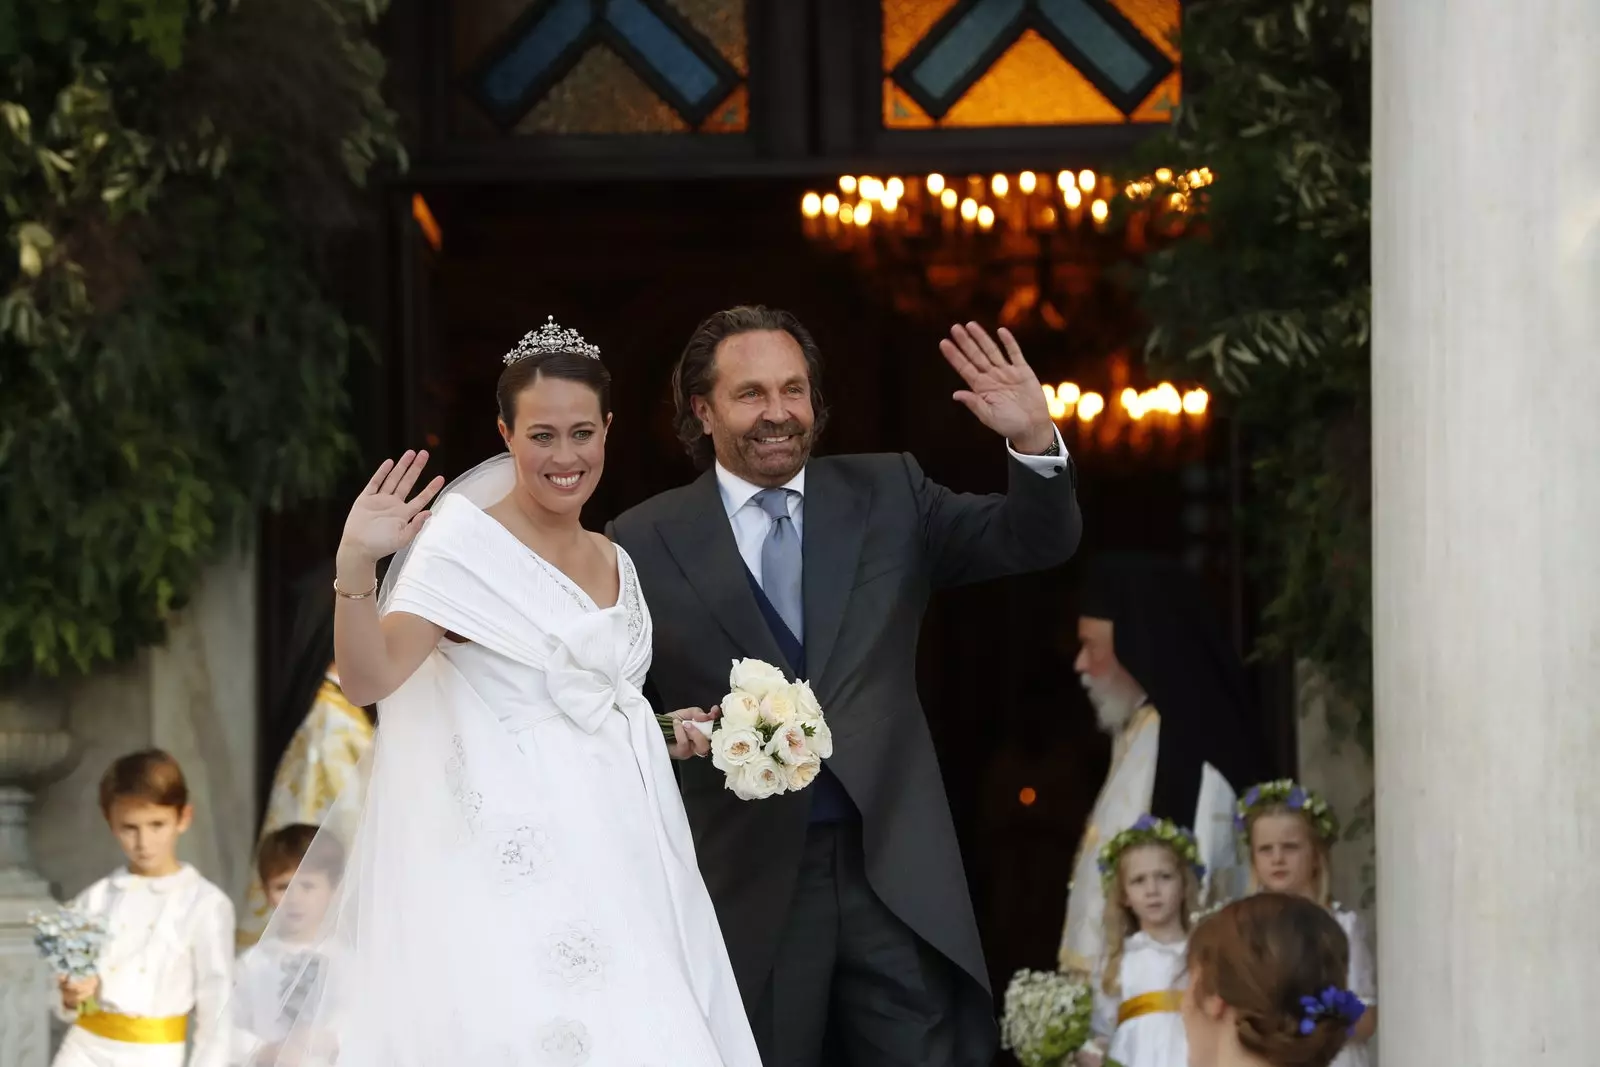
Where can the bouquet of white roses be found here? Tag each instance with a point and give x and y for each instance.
(771, 737)
(70, 942)
(1046, 1017)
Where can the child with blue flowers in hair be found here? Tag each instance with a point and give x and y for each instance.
(1151, 873)
(1289, 832)
(1265, 986)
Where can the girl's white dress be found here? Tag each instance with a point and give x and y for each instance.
(1363, 981)
(1152, 980)
(522, 889)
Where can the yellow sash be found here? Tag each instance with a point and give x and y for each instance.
(1149, 1004)
(135, 1029)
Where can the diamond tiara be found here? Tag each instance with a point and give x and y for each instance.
(551, 337)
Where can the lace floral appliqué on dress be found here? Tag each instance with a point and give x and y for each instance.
(564, 1043)
(577, 957)
(468, 802)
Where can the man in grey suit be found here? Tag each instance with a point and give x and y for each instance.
(844, 906)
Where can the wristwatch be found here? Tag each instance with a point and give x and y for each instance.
(1053, 451)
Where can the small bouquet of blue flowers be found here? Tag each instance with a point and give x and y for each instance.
(70, 942)
(1046, 1017)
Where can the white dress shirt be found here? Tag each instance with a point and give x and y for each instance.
(751, 524)
(169, 951)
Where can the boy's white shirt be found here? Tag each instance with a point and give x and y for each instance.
(169, 950)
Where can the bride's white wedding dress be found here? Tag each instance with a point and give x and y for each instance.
(522, 888)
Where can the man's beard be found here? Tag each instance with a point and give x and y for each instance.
(1114, 705)
(771, 467)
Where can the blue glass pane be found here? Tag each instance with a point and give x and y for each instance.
(963, 45)
(1098, 39)
(508, 80)
(660, 44)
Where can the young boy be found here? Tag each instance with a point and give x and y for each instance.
(169, 949)
(281, 978)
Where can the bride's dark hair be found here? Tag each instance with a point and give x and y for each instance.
(567, 366)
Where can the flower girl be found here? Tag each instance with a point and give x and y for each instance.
(1289, 833)
(1152, 876)
(1263, 986)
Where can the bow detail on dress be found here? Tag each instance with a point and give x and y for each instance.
(583, 670)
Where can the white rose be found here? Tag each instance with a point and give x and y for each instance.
(740, 709)
(756, 677)
(757, 780)
(735, 746)
(790, 744)
(803, 772)
(778, 707)
(821, 738)
(806, 701)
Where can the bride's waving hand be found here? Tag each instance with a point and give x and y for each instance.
(382, 521)
(376, 655)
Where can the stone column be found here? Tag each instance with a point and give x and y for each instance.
(33, 746)
(1486, 529)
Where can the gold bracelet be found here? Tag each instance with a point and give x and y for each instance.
(354, 596)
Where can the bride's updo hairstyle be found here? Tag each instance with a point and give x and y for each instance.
(551, 352)
(1264, 956)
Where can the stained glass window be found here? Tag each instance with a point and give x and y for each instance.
(1028, 62)
(616, 66)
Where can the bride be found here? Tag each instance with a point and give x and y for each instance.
(521, 888)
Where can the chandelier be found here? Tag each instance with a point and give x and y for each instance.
(1028, 202)
(1159, 418)
(1026, 243)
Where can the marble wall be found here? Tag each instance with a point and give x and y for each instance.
(1336, 766)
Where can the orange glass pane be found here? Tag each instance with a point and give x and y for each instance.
(1157, 107)
(601, 94)
(722, 23)
(1157, 19)
(1032, 85)
(900, 112)
(730, 116)
(905, 23)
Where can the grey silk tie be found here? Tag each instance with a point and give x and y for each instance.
(780, 561)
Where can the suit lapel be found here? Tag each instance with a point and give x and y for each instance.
(702, 542)
(835, 523)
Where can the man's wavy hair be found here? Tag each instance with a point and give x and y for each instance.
(696, 371)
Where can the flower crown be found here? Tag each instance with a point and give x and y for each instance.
(1198, 917)
(1333, 1003)
(1149, 830)
(551, 338)
(1285, 793)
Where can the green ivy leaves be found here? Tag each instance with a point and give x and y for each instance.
(171, 360)
(1271, 299)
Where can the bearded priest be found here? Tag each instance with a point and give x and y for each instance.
(1168, 686)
